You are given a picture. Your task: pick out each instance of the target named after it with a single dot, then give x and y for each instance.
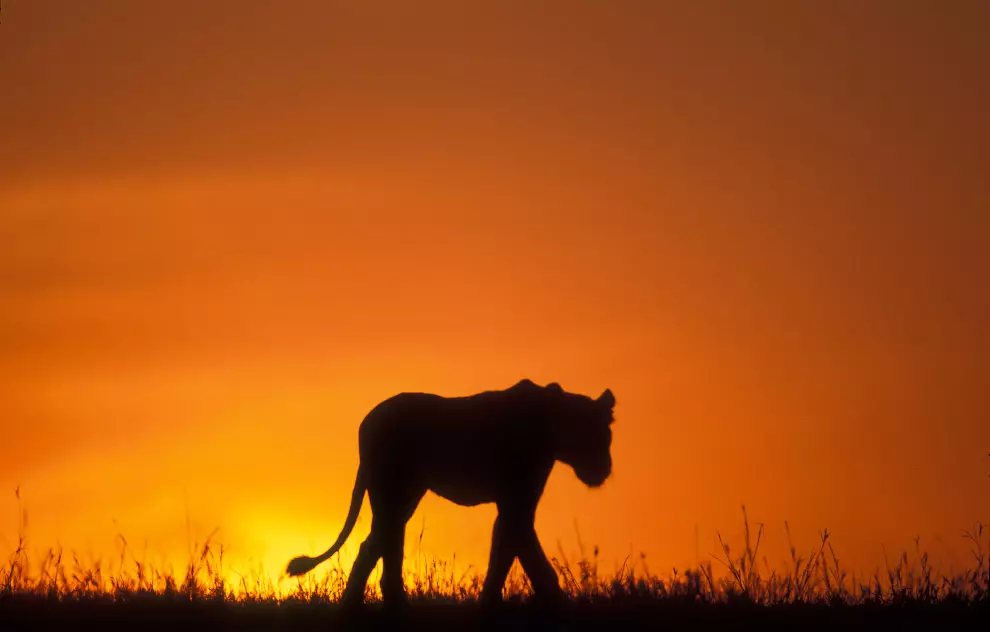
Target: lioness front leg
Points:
(514, 535)
(534, 561)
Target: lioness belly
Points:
(466, 477)
(462, 495)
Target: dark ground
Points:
(37, 613)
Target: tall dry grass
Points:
(814, 576)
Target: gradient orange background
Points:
(228, 229)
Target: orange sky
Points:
(228, 229)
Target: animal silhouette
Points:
(492, 447)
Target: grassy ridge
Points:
(814, 592)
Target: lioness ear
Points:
(553, 386)
(607, 398)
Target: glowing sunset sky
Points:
(228, 229)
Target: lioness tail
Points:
(303, 564)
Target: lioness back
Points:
(462, 448)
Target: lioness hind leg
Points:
(394, 510)
(365, 562)
(393, 592)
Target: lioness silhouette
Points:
(492, 447)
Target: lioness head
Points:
(583, 433)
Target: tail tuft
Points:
(301, 565)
